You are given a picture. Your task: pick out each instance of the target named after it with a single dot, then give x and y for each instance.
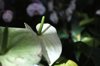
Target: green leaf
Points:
(85, 21)
(68, 63)
(61, 64)
(76, 34)
(76, 31)
(87, 39)
(50, 42)
(63, 34)
(71, 63)
(23, 48)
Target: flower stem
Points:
(4, 41)
(41, 25)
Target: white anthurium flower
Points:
(35, 9)
(24, 48)
(7, 16)
(54, 17)
(50, 42)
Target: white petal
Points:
(51, 44)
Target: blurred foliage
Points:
(68, 63)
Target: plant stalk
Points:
(41, 25)
(4, 41)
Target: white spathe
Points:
(51, 43)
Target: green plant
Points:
(68, 63)
(23, 47)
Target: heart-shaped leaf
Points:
(23, 48)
